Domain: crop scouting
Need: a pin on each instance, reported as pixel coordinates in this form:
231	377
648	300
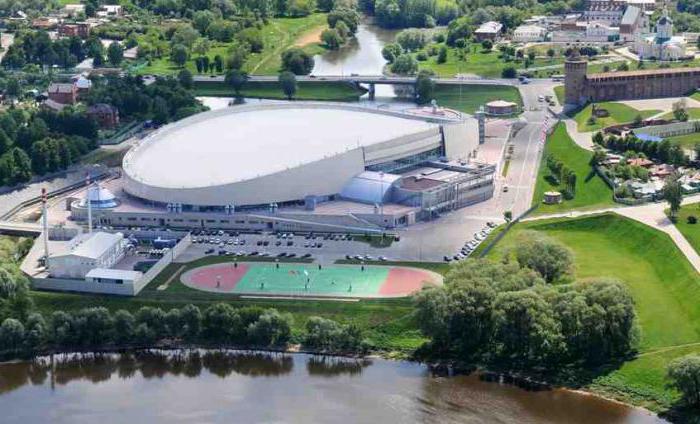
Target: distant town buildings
632	23
608	11
80	29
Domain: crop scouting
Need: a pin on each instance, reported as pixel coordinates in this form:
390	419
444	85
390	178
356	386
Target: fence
159	266
123	134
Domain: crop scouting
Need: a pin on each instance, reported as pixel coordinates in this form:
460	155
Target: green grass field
468	98
687	141
279	34
591	191
693	113
271	90
665	287
619	114
691	232
559	92
478	62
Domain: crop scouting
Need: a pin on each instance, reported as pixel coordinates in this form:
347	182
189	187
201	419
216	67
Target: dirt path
310	37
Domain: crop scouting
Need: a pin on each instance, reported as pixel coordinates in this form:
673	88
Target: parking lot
321	248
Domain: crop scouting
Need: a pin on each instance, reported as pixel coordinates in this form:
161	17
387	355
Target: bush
509	72
421	57
692	219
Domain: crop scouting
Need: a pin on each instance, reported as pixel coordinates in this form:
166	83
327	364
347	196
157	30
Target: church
663	45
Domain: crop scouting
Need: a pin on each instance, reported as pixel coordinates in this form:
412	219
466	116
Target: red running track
206	277
404	281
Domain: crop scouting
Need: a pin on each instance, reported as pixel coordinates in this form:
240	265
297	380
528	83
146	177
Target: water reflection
223	386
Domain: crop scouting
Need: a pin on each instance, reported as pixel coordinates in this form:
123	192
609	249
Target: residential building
80	29
529	34
488	31
64	93
107	116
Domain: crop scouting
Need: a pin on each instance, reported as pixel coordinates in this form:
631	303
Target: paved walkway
583	139
651	214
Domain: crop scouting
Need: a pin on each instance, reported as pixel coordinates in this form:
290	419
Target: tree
684	374
11	335
297	61
412	39
509	72
288	82
185	78
673	193
404	65
124	325
331	38
345	15
253	38
221	323
191	318
179	55
14	295
36	332
442	55
425	86
391	51
551	259
271	329
550	54
115	54
93	325
487	45
236	79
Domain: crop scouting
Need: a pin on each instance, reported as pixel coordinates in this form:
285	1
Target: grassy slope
591	190
478	62
559	91
619	113
687	141
470	97
272	90
278	35
693	113
388	324
664	285
691	232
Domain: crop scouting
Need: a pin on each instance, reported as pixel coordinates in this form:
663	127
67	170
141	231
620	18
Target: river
361	55
247	387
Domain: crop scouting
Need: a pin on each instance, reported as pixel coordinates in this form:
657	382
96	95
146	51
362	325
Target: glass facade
403	164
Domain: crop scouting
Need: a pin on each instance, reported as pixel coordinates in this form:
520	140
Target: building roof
57	87
369	187
114	274
242	143
490	27
93	245
631	15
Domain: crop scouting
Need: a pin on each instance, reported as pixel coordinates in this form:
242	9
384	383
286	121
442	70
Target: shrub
692	219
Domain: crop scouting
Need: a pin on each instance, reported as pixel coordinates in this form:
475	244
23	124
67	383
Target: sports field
287	279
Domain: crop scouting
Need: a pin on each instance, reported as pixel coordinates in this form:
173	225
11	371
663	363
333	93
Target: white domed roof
99	197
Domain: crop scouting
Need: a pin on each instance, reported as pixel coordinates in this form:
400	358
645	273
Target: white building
108	10
663	45
599	31
529	34
113	276
488	31
86	252
73	9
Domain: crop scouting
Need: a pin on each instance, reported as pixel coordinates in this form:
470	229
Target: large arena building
298	166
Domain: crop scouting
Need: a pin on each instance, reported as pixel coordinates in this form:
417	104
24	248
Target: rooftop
92	245
241	143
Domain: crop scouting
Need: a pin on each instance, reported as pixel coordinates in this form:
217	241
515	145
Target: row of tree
526	312
219	324
561	174
665	151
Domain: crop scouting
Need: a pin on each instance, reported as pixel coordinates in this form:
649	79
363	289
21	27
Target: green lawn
478	62
691	232
687	141
279	34
468	98
619	114
559	92
591	191
693	113
272	90
665	287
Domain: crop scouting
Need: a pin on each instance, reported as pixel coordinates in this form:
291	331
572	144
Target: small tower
575	69
664	28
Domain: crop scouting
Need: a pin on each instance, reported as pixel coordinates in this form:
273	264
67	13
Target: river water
247	387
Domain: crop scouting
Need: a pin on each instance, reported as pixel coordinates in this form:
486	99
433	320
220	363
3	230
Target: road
367	79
